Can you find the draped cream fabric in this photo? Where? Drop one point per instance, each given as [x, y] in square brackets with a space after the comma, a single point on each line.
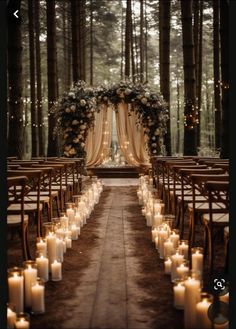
[98, 140]
[131, 137]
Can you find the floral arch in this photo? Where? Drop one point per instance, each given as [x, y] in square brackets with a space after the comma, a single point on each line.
[76, 109]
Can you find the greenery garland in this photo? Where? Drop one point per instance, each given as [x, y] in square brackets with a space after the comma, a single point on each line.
[76, 109]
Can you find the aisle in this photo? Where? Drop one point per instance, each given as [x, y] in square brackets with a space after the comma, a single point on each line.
[112, 277]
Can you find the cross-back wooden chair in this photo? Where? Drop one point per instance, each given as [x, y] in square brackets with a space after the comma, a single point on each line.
[218, 193]
[16, 218]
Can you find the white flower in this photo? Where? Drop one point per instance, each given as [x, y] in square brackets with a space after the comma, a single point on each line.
[157, 132]
[67, 110]
[67, 148]
[73, 108]
[65, 136]
[75, 140]
[118, 91]
[82, 102]
[80, 136]
[75, 122]
[154, 145]
[105, 98]
[71, 94]
[82, 144]
[144, 100]
[89, 115]
[82, 127]
[154, 151]
[127, 91]
[147, 94]
[72, 151]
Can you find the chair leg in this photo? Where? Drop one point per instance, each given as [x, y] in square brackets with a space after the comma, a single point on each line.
[25, 243]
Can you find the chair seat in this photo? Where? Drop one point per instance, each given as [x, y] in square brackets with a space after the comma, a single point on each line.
[217, 218]
[44, 193]
[56, 187]
[16, 219]
[189, 198]
[205, 206]
[29, 207]
[33, 198]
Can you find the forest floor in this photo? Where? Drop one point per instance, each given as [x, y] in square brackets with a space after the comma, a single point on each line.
[112, 277]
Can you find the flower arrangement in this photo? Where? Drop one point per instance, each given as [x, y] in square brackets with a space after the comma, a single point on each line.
[75, 113]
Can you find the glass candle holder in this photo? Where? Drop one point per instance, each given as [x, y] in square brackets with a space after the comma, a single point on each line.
[56, 271]
[179, 294]
[169, 220]
[16, 288]
[167, 265]
[174, 237]
[168, 248]
[197, 259]
[30, 277]
[202, 307]
[183, 269]
[176, 259]
[184, 248]
[37, 296]
[158, 207]
[41, 246]
[48, 227]
[11, 316]
[22, 321]
[42, 266]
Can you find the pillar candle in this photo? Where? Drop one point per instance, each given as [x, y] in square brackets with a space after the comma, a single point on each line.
[22, 324]
[11, 318]
[64, 245]
[202, 318]
[74, 232]
[179, 295]
[143, 211]
[68, 242]
[16, 291]
[149, 218]
[52, 247]
[174, 237]
[197, 261]
[167, 264]
[154, 234]
[182, 270]
[156, 242]
[30, 277]
[162, 236]
[60, 250]
[37, 293]
[157, 219]
[183, 249]
[176, 259]
[168, 248]
[42, 267]
[64, 222]
[41, 247]
[192, 297]
[56, 271]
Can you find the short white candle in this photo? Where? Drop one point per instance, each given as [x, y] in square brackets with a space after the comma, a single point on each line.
[157, 219]
[64, 245]
[56, 271]
[37, 293]
[202, 318]
[168, 248]
[224, 298]
[182, 270]
[192, 297]
[60, 250]
[11, 318]
[41, 247]
[162, 236]
[70, 214]
[197, 261]
[179, 294]
[174, 237]
[167, 264]
[64, 222]
[74, 232]
[16, 292]
[154, 234]
[177, 259]
[42, 267]
[68, 242]
[156, 242]
[22, 324]
[183, 249]
[52, 247]
[149, 218]
[30, 277]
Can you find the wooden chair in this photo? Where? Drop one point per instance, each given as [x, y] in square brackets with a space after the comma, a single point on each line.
[16, 218]
[218, 193]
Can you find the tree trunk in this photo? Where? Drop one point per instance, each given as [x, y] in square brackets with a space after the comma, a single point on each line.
[69, 50]
[146, 42]
[64, 36]
[75, 40]
[224, 37]
[34, 119]
[52, 75]
[15, 142]
[122, 45]
[216, 54]
[82, 40]
[190, 126]
[165, 65]
[128, 38]
[141, 42]
[160, 42]
[132, 50]
[91, 42]
[41, 125]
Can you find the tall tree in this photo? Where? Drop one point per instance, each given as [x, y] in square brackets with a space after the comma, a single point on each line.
[165, 64]
[39, 81]
[15, 139]
[34, 118]
[224, 37]
[128, 27]
[52, 74]
[216, 59]
[91, 42]
[75, 39]
[141, 42]
[190, 126]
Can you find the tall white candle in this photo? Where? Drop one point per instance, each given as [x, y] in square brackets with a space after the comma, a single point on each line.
[162, 236]
[11, 318]
[60, 250]
[183, 249]
[37, 293]
[149, 218]
[41, 247]
[64, 222]
[74, 232]
[197, 260]
[154, 234]
[168, 248]
[179, 295]
[30, 277]
[68, 243]
[70, 214]
[167, 264]
[176, 259]
[42, 267]
[156, 242]
[182, 270]
[174, 237]
[157, 219]
[52, 247]
[202, 318]
[16, 291]
[56, 270]
[192, 297]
